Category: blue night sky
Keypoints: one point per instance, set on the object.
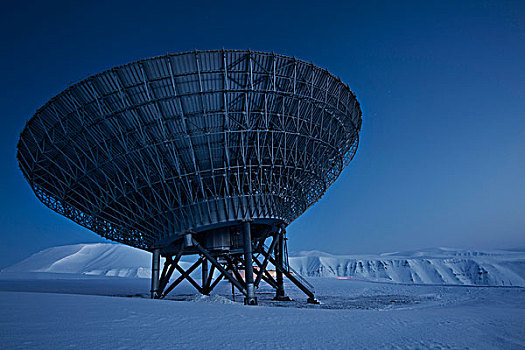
(442, 87)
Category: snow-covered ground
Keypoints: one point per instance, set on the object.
(103, 314)
(52, 309)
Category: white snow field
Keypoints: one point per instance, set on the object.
(75, 305)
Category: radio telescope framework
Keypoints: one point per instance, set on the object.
(202, 152)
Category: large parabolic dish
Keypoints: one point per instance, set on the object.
(194, 141)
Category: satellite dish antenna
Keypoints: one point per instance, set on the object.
(204, 152)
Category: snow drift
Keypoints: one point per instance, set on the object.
(432, 266)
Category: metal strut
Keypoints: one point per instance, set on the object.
(250, 298)
(279, 253)
(155, 263)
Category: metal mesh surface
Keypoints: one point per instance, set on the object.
(195, 140)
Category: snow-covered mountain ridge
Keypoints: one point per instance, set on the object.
(103, 259)
(431, 266)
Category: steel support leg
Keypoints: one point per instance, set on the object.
(279, 257)
(209, 279)
(155, 264)
(204, 271)
(250, 298)
(165, 277)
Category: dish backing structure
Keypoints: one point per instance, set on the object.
(204, 152)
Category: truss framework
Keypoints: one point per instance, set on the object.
(146, 151)
(229, 266)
